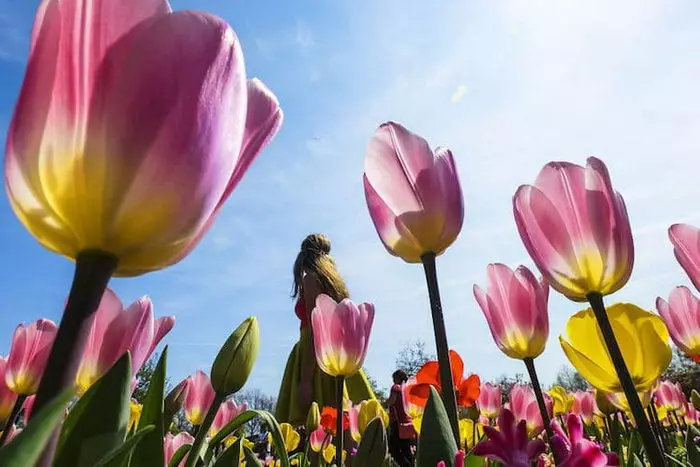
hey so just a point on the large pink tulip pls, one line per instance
(515, 306)
(228, 410)
(575, 227)
(132, 127)
(28, 355)
(686, 247)
(490, 400)
(413, 193)
(682, 317)
(670, 395)
(522, 402)
(114, 330)
(172, 443)
(584, 406)
(7, 396)
(341, 334)
(199, 397)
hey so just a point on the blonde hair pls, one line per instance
(314, 258)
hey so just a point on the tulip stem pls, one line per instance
(340, 385)
(447, 390)
(93, 269)
(651, 445)
(203, 429)
(530, 365)
(11, 419)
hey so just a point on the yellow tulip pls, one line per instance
(329, 454)
(643, 340)
(563, 401)
(135, 410)
(417, 423)
(619, 400)
(290, 436)
(466, 433)
(369, 410)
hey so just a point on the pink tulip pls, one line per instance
(172, 443)
(584, 406)
(490, 400)
(199, 397)
(28, 355)
(341, 334)
(14, 431)
(692, 416)
(515, 306)
(509, 444)
(573, 450)
(459, 460)
(413, 193)
(686, 247)
(319, 439)
(574, 226)
(133, 126)
(670, 396)
(7, 396)
(114, 330)
(682, 317)
(228, 410)
(27, 407)
(523, 405)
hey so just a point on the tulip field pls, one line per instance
(104, 93)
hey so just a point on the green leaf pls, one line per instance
(232, 456)
(179, 455)
(97, 423)
(250, 458)
(120, 454)
(436, 442)
(634, 460)
(245, 417)
(372, 449)
(634, 447)
(150, 451)
(617, 438)
(691, 447)
(26, 448)
(474, 461)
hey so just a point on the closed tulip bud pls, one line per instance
(695, 399)
(515, 307)
(682, 317)
(236, 358)
(28, 356)
(7, 396)
(313, 419)
(369, 410)
(575, 227)
(174, 401)
(373, 447)
(133, 126)
(413, 193)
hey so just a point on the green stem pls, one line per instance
(651, 446)
(340, 385)
(11, 419)
(530, 365)
(447, 390)
(656, 425)
(203, 429)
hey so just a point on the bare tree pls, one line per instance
(570, 379)
(413, 356)
(258, 400)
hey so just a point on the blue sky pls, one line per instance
(507, 85)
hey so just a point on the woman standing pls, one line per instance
(401, 431)
(315, 273)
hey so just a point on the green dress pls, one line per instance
(357, 387)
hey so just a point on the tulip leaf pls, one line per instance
(691, 446)
(251, 459)
(372, 449)
(473, 460)
(245, 417)
(26, 448)
(98, 422)
(118, 456)
(232, 456)
(634, 461)
(150, 451)
(634, 446)
(436, 442)
(179, 455)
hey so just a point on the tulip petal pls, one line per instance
(686, 247)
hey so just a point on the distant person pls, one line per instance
(401, 431)
(315, 273)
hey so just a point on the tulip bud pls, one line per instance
(236, 358)
(695, 399)
(313, 419)
(472, 413)
(372, 449)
